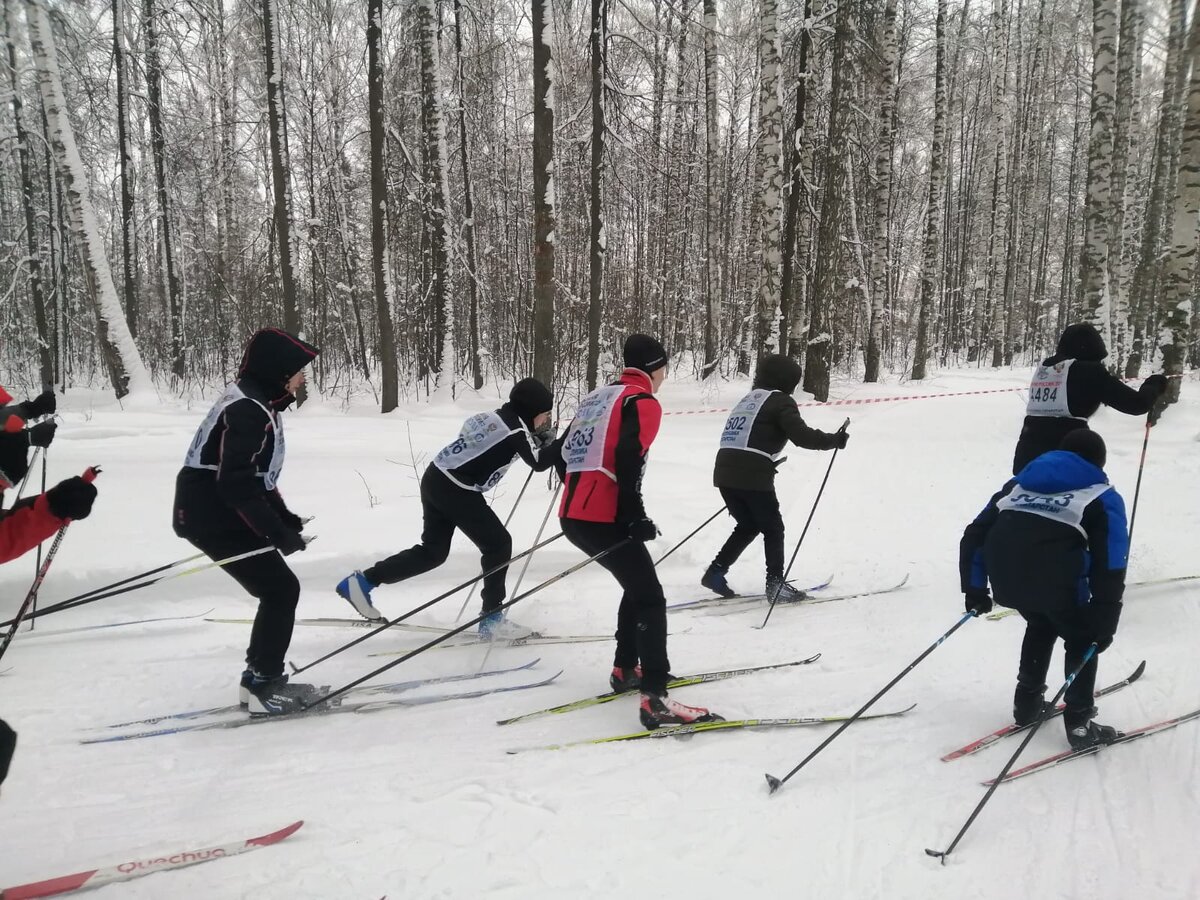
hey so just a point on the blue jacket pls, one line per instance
(1055, 536)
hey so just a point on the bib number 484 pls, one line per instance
(1043, 394)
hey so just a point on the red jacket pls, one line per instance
(614, 493)
(26, 526)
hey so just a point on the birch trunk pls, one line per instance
(712, 275)
(883, 184)
(389, 377)
(472, 276)
(543, 194)
(770, 147)
(599, 50)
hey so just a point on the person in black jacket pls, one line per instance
(1068, 388)
(227, 503)
(756, 431)
(1054, 544)
(452, 490)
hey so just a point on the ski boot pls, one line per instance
(781, 591)
(622, 680)
(658, 710)
(714, 580)
(1083, 733)
(1028, 704)
(357, 591)
(498, 627)
(275, 696)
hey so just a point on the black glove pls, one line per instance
(1155, 385)
(41, 435)
(978, 601)
(8, 744)
(839, 440)
(643, 530)
(291, 520)
(71, 499)
(1103, 619)
(544, 436)
(288, 542)
(44, 404)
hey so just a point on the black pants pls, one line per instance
(1041, 631)
(642, 615)
(445, 507)
(755, 512)
(267, 578)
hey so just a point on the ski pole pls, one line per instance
(24, 481)
(1046, 710)
(508, 519)
(690, 536)
(424, 606)
(442, 638)
(90, 598)
(1138, 488)
(45, 454)
(537, 537)
(776, 783)
(88, 476)
(812, 512)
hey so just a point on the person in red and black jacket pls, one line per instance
(227, 503)
(603, 455)
(33, 519)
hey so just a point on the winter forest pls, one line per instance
(446, 193)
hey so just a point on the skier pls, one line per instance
(756, 431)
(1069, 387)
(603, 456)
(34, 519)
(452, 490)
(1054, 544)
(227, 503)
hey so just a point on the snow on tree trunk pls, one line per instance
(472, 279)
(712, 149)
(1179, 270)
(124, 363)
(827, 281)
(933, 208)
(441, 298)
(389, 387)
(1162, 186)
(34, 259)
(543, 194)
(1093, 276)
(599, 61)
(1129, 66)
(998, 227)
(888, 50)
(770, 146)
(125, 165)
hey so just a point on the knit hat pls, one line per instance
(1086, 443)
(1082, 341)
(530, 398)
(644, 352)
(777, 372)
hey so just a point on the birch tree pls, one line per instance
(124, 363)
(770, 144)
(389, 383)
(280, 170)
(125, 168)
(543, 194)
(888, 49)
(712, 162)
(599, 47)
(464, 146)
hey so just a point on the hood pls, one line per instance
(1058, 471)
(1081, 341)
(273, 356)
(529, 398)
(777, 373)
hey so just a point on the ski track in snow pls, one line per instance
(423, 802)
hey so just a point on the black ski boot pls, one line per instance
(275, 696)
(1028, 704)
(714, 580)
(1083, 732)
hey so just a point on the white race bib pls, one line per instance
(480, 433)
(1066, 507)
(1048, 391)
(232, 395)
(583, 448)
(736, 434)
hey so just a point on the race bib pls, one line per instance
(480, 433)
(1048, 391)
(583, 448)
(232, 394)
(736, 434)
(1066, 507)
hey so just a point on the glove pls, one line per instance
(71, 499)
(41, 435)
(1155, 385)
(978, 601)
(44, 404)
(643, 530)
(289, 542)
(291, 520)
(1103, 619)
(544, 436)
(840, 439)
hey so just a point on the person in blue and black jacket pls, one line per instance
(1054, 543)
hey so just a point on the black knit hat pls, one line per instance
(530, 398)
(644, 352)
(14, 457)
(1082, 341)
(1086, 443)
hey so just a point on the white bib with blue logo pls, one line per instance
(583, 448)
(232, 395)
(1048, 391)
(1066, 507)
(736, 434)
(480, 433)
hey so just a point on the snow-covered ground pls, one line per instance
(424, 803)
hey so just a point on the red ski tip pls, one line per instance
(773, 783)
(276, 836)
